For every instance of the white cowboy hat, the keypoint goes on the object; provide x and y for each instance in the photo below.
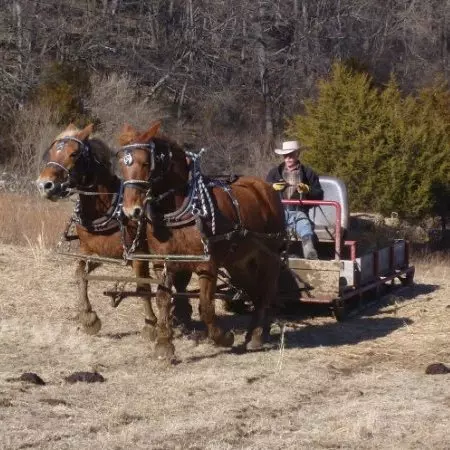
(288, 147)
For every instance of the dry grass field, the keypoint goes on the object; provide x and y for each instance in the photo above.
(358, 384)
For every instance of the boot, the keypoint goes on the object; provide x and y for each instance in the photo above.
(309, 252)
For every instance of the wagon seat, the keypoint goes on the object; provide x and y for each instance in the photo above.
(324, 216)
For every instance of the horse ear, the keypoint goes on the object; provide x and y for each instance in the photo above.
(86, 132)
(127, 134)
(151, 132)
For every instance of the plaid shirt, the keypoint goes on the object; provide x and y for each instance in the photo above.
(292, 178)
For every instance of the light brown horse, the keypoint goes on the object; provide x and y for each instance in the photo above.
(239, 226)
(76, 161)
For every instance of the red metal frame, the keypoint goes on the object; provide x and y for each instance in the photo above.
(380, 280)
(352, 245)
(376, 283)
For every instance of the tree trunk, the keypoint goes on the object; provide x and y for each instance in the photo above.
(263, 75)
(19, 31)
(181, 101)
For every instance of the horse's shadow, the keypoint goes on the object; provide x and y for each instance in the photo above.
(362, 325)
(332, 334)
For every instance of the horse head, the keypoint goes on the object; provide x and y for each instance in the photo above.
(149, 166)
(62, 162)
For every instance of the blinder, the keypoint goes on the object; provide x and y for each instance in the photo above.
(127, 151)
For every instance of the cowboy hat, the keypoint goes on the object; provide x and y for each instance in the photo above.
(288, 147)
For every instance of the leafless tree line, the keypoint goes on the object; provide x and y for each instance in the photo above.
(231, 66)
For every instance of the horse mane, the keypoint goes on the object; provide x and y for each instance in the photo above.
(101, 152)
(175, 148)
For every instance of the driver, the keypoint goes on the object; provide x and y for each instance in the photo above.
(295, 181)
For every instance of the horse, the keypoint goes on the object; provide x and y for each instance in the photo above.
(237, 225)
(76, 161)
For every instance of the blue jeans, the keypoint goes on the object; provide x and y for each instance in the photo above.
(299, 223)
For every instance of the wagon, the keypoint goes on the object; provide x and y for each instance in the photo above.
(341, 278)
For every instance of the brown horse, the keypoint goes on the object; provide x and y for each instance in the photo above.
(239, 226)
(78, 162)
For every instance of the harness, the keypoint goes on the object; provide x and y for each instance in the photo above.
(198, 206)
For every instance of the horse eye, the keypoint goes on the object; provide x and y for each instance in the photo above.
(75, 154)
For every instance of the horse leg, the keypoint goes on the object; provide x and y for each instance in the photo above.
(88, 318)
(267, 279)
(141, 270)
(182, 309)
(164, 348)
(207, 283)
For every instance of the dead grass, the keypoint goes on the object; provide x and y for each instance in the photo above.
(358, 384)
(30, 221)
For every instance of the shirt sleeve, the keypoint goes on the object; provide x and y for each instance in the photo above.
(271, 178)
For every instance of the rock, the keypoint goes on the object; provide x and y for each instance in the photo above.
(29, 377)
(437, 369)
(85, 377)
(5, 403)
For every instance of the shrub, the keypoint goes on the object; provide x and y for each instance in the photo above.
(114, 100)
(391, 149)
(62, 88)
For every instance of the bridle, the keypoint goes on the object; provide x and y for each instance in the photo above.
(157, 161)
(198, 201)
(83, 153)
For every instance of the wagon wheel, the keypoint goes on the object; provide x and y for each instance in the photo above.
(408, 280)
(340, 310)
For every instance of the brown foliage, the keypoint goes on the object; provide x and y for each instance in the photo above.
(28, 220)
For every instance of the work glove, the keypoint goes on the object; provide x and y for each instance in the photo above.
(279, 186)
(302, 188)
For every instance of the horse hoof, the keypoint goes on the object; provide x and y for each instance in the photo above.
(91, 323)
(227, 340)
(254, 345)
(256, 341)
(149, 332)
(164, 351)
(182, 330)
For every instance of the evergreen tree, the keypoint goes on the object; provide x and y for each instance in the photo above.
(392, 150)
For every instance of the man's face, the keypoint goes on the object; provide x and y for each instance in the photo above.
(291, 159)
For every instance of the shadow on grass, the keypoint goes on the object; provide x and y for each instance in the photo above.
(362, 325)
(333, 334)
(343, 333)
(119, 336)
(409, 292)
(400, 296)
